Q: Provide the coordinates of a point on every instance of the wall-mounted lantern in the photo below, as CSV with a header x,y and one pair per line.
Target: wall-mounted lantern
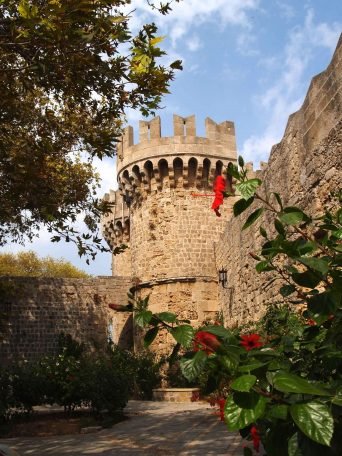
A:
x,y
223,277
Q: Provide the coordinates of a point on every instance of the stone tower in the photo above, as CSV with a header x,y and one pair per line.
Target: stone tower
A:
x,y
171,233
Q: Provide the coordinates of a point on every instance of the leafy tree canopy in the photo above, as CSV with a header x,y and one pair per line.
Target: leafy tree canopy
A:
x,y
28,264
68,71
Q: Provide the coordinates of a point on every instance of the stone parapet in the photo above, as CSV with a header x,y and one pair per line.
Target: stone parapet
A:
x,y
176,394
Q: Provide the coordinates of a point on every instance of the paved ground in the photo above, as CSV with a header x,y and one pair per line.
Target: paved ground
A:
x,y
153,428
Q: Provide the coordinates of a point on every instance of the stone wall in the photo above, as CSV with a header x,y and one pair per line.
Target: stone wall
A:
x,y
304,168
39,309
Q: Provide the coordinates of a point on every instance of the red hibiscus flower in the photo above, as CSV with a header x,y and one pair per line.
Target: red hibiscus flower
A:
x,y
219,188
255,438
311,322
250,341
221,403
206,341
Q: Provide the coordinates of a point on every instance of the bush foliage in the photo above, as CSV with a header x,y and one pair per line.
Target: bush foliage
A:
x,y
28,264
103,380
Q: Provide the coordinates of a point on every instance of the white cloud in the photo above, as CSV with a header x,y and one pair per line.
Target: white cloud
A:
x,y
286,10
270,63
195,68
193,13
286,94
106,170
193,43
245,44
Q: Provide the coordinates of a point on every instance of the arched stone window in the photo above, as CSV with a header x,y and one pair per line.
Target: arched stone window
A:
x,y
126,229
125,177
219,167
206,173
118,231
163,169
178,169
136,173
229,181
192,171
148,168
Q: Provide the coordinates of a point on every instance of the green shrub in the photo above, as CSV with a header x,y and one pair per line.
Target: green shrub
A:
x,y
104,380
146,374
62,386
6,395
27,384
104,386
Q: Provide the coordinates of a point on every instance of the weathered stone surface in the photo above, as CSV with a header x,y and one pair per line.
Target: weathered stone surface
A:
x,y
39,309
304,168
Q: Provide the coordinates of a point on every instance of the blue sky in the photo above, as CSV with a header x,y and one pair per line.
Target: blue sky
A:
x,y
249,61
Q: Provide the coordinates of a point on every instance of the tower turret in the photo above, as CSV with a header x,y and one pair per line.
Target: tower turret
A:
x,y
171,233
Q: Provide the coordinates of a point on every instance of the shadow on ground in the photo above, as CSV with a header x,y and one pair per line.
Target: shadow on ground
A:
x,y
153,429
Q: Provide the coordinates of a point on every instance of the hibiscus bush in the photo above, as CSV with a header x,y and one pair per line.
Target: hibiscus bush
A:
x,y
282,386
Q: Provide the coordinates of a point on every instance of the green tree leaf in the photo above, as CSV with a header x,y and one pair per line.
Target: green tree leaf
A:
x,y
252,218
241,161
183,334
251,366
287,290
192,367
244,383
277,197
291,383
263,232
248,188
279,227
306,279
233,171
219,331
150,336
278,411
325,303
241,205
242,409
263,266
156,40
168,317
314,419
229,361
318,264
293,446
293,216
143,318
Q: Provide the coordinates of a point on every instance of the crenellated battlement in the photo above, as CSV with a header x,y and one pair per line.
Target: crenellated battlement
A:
x,y
177,165
219,141
256,172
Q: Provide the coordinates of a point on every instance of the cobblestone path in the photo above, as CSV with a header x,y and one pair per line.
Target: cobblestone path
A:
x,y
153,428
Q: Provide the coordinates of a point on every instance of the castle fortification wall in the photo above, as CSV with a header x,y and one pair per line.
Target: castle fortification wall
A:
x,y
303,168
39,309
